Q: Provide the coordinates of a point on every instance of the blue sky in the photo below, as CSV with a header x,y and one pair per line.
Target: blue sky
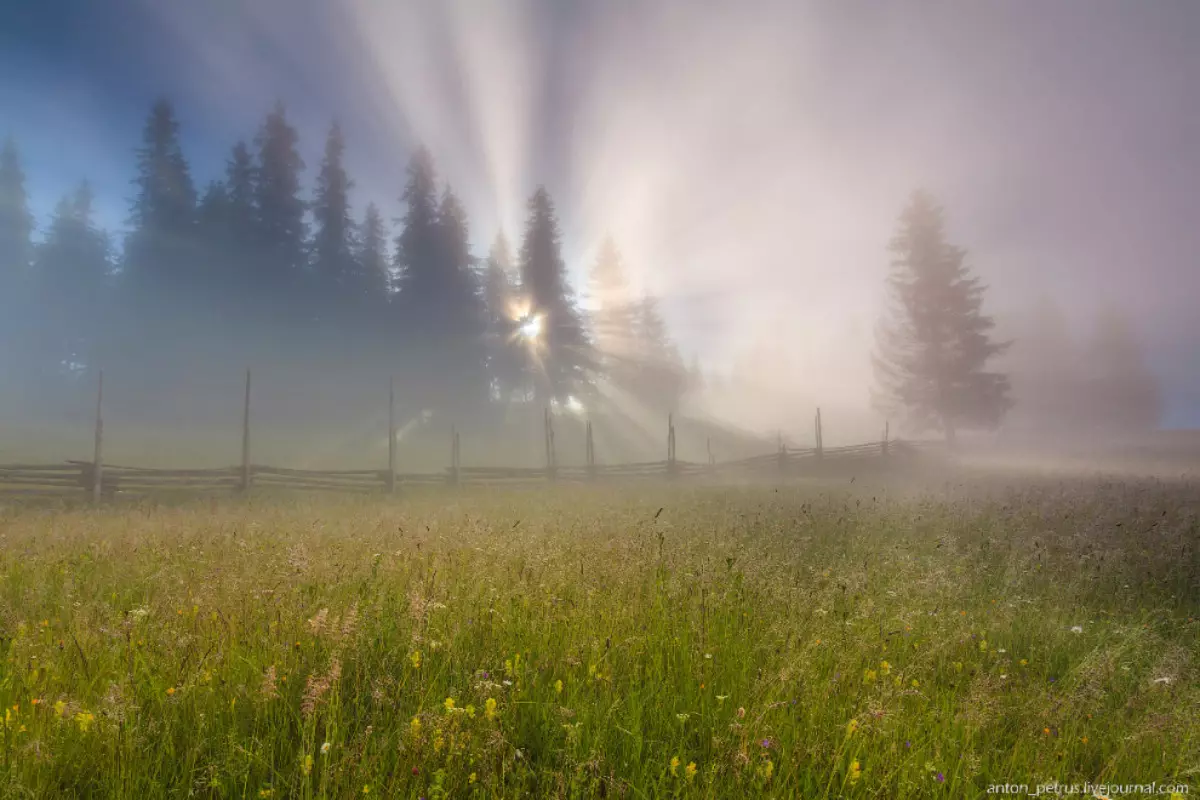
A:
x,y
774,140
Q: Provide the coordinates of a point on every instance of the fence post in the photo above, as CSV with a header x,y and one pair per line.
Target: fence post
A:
x,y
246,436
591,452
671,445
820,440
391,480
886,426
98,453
550,454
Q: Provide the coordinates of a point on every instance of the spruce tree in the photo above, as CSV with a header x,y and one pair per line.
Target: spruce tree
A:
x,y
662,377
563,356
502,303
280,228
934,347
371,259
71,269
335,270
16,221
614,316
462,332
416,252
160,252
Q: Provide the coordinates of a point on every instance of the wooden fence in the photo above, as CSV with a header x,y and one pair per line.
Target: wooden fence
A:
x,y
98,479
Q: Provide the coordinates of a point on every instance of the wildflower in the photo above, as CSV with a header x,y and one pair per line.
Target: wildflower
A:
x,y
1024,662
558,686
690,770
907,744
940,778
1083,739
682,717
768,769
471,778
851,727
765,743
449,704
470,712
325,748
415,658
34,701
415,726
60,707
885,667
84,719
1046,731
489,708
675,765
983,645
855,772
958,666
306,767
170,691
721,698
266,792
916,684
741,713
366,788
869,676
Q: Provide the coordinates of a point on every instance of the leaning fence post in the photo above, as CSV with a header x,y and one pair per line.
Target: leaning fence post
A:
x,y
246,437
98,453
550,454
820,440
391,479
591,452
671,445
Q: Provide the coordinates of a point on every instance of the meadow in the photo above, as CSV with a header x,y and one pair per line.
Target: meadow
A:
x,y
658,641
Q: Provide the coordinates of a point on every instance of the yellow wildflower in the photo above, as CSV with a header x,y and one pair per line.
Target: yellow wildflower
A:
x,y
449,704
851,727
60,707
983,645
675,765
84,719
415,726
415,658
855,771
489,708
768,769
170,690
916,684
471,778
885,667
690,770
266,792
558,686
1024,663
306,767
470,712
869,676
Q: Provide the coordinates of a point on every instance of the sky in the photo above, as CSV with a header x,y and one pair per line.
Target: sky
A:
x,y
750,158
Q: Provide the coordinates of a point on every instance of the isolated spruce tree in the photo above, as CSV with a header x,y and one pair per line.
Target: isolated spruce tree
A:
x,y
564,357
934,347
335,271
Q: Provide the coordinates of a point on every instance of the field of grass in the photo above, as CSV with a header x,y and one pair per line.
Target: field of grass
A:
x,y
746,641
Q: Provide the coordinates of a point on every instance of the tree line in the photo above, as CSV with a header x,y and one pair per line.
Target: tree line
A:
x,y
248,269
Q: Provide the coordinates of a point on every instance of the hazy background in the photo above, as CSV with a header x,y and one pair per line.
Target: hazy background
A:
x,y
748,157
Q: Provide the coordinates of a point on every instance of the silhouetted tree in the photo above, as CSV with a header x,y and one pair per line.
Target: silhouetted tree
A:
x,y
16,221
281,256
373,284
662,376
506,362
463,331
563,355
933,350
71,270
415,258
16,252
615,317
335,269
160,251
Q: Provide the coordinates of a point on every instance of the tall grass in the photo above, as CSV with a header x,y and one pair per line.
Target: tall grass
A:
x,y
583,643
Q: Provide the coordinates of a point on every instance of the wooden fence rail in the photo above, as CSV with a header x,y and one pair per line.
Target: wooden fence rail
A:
x,y
99,479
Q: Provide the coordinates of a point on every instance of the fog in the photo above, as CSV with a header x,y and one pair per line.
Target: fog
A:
x,y
748,158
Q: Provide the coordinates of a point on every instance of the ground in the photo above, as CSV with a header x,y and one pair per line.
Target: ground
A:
x,y
792,641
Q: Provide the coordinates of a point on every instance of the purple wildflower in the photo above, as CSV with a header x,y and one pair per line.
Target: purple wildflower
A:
x,y
907,744
941,778
765,742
